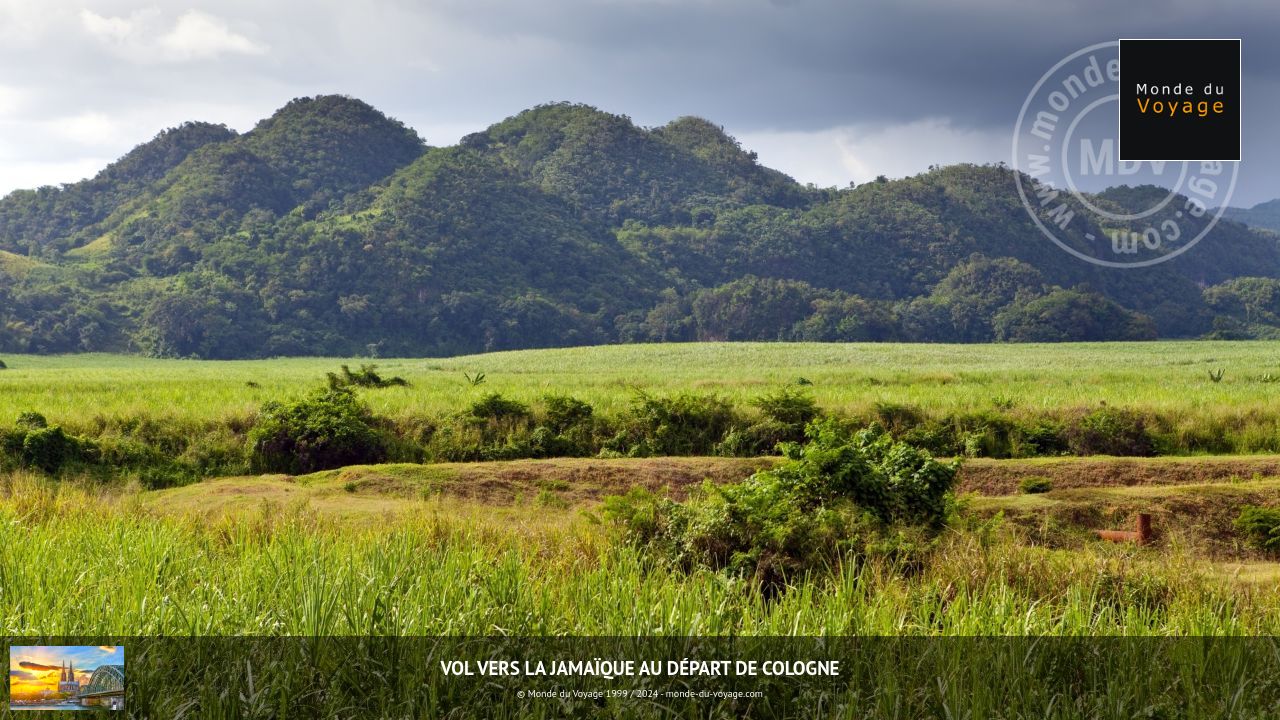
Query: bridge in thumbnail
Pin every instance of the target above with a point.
(105, 688)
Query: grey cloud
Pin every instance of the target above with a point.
(753, 65)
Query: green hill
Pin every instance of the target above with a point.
(1263, 215)
(330, 228)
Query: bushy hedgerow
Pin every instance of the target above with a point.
(1109, 431)
(684, 424)
(784, 416)
(840, 492)
(494, 407)
(498, 428)
(324, 430)
(33, 443)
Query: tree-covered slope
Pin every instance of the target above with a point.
(31, 220)
(1263, 215)
(331, 229)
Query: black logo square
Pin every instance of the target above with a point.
(1179, 100)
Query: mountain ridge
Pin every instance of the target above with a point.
(330, 228)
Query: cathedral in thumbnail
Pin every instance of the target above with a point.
(67, 683)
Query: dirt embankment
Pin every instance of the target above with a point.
(586, 480)
(1001, 477)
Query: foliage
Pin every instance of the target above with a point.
(1070, 316)
(34, 443)
(840, 492)
(31, 420)
(366, 377)
(784, 415)
(1035, 484)
(1261, 527)
(323, 430)
(682, 424)
(329, 229)
(1110, 431)
(49, 448)
(565, 413)
(495, 407)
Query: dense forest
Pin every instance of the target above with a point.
(331, 229)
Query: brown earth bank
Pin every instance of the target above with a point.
(578, 481)
(591, 479)
(1002, 477)
(1193, 501)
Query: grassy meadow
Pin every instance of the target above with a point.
(1169, 377)
(520, 547)
(167, 563)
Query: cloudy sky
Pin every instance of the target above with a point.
(827, 90)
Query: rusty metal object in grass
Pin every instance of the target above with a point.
(1141, 535)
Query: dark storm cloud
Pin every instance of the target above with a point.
(97, 77)
(811, 65)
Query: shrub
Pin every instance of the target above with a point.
(1035, 484)
(760, 438)
(898, 417)
(3, 366)
(788, 406)
(495, 407)
(1109, 431)
(684, 424)
(49, 448)
(1260, 527)
(549, 499)
(366, 376)
(565, 413)
(785, 415)
(1043, 436)
(32, 420)
(327, 429)
(837, 493)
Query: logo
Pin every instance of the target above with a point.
(1083, 197)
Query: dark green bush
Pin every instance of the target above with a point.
(50, 448)
(32, 420)
(785, 414)
(1109, 431)
(684, 424)
(3, 366)
(1261, 527)
(495, 407)
(761, 438)
(1042, 436)
(838, 493)
(366, 377)
(788, 406)
(1035, 484)
(565, 413)
(327, 429)
(898, 417)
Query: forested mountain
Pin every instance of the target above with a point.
(331, 229)
(1263, 215)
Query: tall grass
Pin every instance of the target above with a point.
(281, 571)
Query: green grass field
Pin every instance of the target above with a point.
(519, 548)
(1171, 377)
(330, 562)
